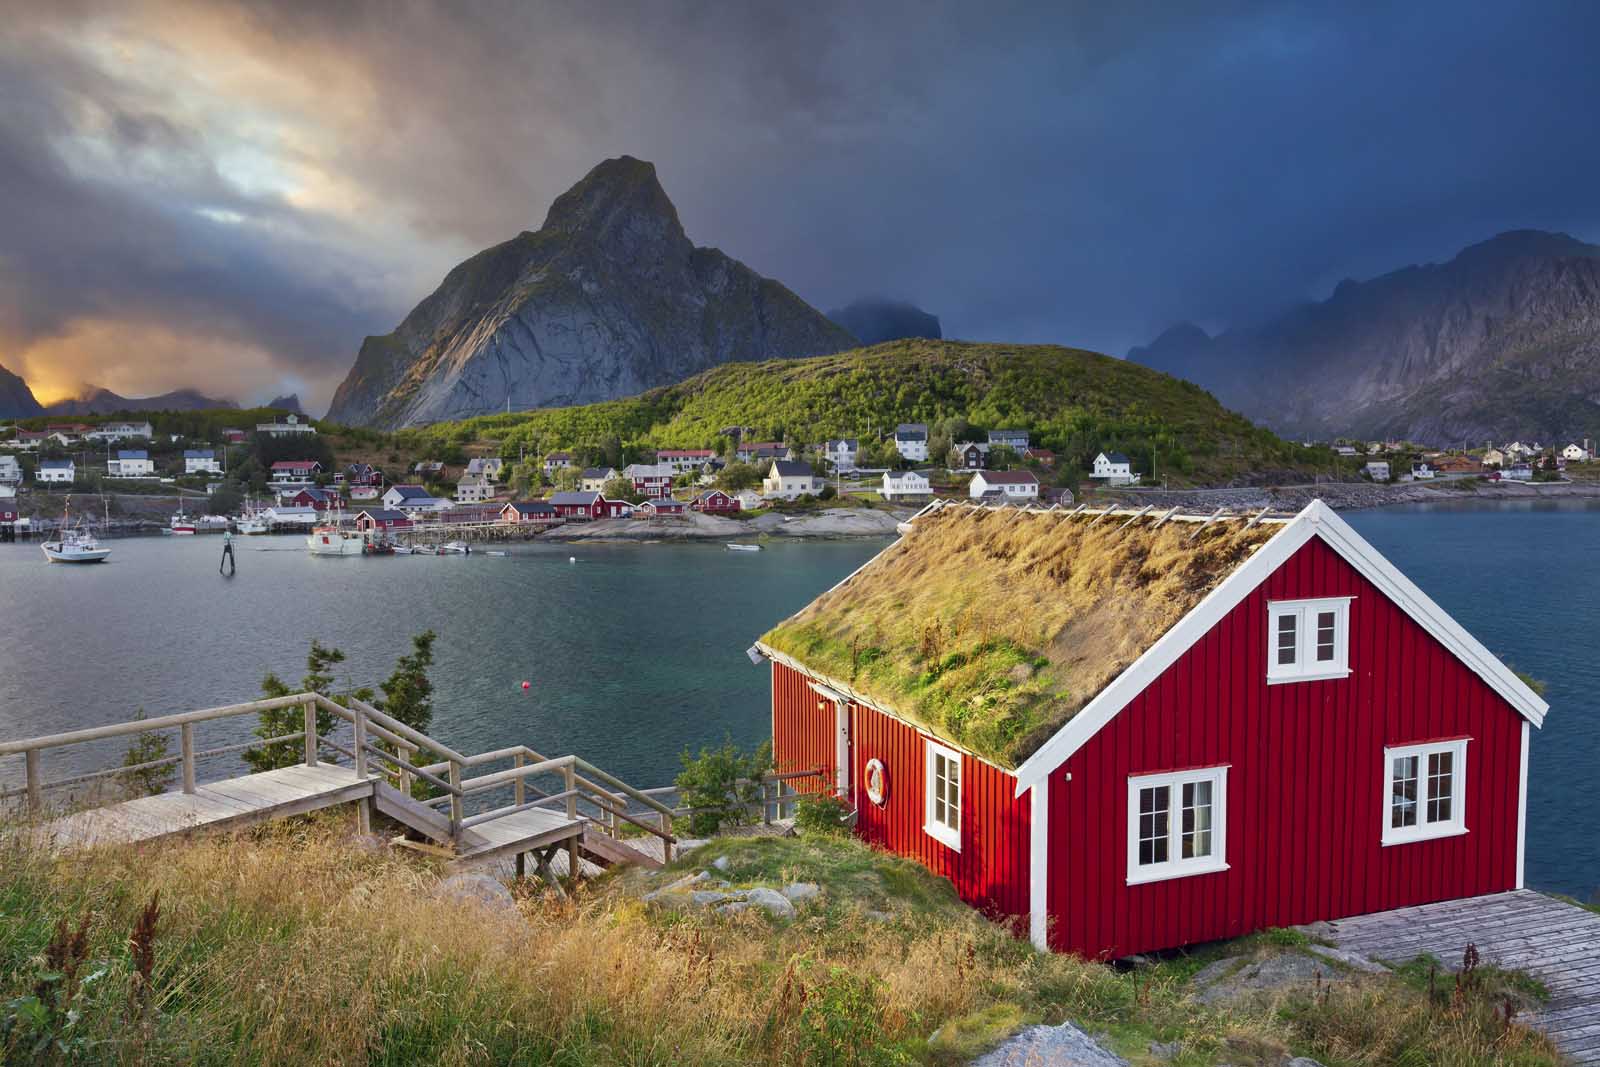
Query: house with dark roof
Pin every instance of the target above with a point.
(659, 507)
(715, 502)
(56, 470)
(1016, 440)
(412, 498)
(383, 519)
(911, 441)
(790, 479)
(842, 452)
(1210, 725)
(520, 512)
(973, 456)
(581, 506)
(1113, 468)
(594, 479)
(201, 461)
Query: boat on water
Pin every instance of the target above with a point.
(332, 540)
(454, 548)
(251, 525)
(74, 544)
(378, 546)
(181, 524)
(743, 548)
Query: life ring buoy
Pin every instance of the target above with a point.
(877, 781)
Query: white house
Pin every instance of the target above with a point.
(749, 500)
(1378, 470)
(1422, 471)
(911, 441)
(201, 461)
(295, 471)
(1004, 485)
(56, 470)
(789, 479)
(594, 479)
(842, 453)
(289, 427)
(1114, 468)
(1576, 453)
(556, 460)
(130, 463)
(410, 498)
(10, 470)
(117, 431)
(685, 459)
(1518, 472)
(1494, 457)
(900, 485)
(474, 489)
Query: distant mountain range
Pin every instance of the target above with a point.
(290, 403)
(1502, 341)
(16, 399)
(18, 402)
(874, 321)
(609, 298)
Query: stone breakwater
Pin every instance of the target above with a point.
(1346, 496)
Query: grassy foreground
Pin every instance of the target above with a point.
(293, 946)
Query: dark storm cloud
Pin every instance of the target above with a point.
(1082, 173)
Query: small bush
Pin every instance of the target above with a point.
(842, 1024)
(821, 813)
(721, 785)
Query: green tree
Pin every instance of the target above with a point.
(319, 678)
(737, 476)
(524, 476)
(621, 488)
(720, 784)
(566, 479)
(148, 747)
(408, 692)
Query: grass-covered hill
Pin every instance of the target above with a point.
(1073, 401)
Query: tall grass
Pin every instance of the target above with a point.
(292, 946)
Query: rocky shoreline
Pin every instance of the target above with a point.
(827, 524)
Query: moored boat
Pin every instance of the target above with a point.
(181, 524)
(74, 543)
(744, 548)
(329, 540)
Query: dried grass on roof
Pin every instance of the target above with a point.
(992, 628)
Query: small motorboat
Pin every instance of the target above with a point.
(743, 548)
(454, 548)
(181, 524)
(378, 546)
(74, 544)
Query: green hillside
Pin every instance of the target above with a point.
(1073, 401)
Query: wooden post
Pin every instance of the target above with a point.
(311, 735)
(455, 799)
(35, 790)
(666, 845)
(571, 776)
(186, 732)
(403, 756)
(518, 761)
(358, 733)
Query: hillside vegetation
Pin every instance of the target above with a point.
(1075, 402)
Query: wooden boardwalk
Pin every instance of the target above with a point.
(225, 805)
(1556, 942)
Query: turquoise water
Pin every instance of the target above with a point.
(636, 651)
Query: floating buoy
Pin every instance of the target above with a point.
(572, 559)
(527, 685)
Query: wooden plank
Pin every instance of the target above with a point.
(609, 850)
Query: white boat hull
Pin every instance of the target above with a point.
(333, 544)
(55, 553)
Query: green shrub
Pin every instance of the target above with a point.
(842, 1024)
(821, 813)
(720, 785)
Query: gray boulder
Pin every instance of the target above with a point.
(1284, 971)
(772, 901)
(680, 886)
(1354, 961)
(800, 892)
(475, 887)
(1064, 1045)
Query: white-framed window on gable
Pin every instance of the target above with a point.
(942, 817)
(1308, 639)
(1425, 789)
(1177, 824)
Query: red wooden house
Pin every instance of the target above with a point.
(715, 502)
(382, 519)
(654, 509)
(538, 512)
(1168, 730)
(312, 497)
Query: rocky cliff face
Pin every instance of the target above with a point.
(16, 399)
(607, 299)
(1502, 341)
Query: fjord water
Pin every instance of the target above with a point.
(635, 652)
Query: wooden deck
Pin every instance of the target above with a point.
(225, 805)
(1556, 942)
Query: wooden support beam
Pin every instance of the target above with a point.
(1170, 513)
(35, 790)
(186, 734)
(311, 734)
(1212, 518)
(1141, 513)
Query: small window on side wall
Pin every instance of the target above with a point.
(1308, 639)
(1177, 824)
(942, 775)
(1425, 794)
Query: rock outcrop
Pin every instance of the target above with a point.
(16, 399)
(874, 321)
(1502, 341)
(609, 298)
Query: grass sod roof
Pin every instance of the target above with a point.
(993, 627)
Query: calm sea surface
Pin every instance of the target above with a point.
(635, 652)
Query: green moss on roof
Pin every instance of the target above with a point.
(993, 627)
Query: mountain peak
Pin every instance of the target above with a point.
(1520, 243)
(620, 200)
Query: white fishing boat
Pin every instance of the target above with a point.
(252, 520)
(454, 548)
(333, 541)
(181, 524)
(743, 548)
(74, 543)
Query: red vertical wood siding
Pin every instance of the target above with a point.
(990, 871)
(1307, 781)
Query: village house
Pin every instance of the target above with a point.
(291, 426)
(1377, 470)
(842, 452)
(1043, 456)
(233, 437)
(790, 479)
(382, 520)
(749, 500)
(363, 474)
(1113, 468)
(1518, 472)
(119, 431)
(594, 479)
(905, 485)
(685, 459)
(658, 508)
(1275, 725)
(488, 467)
(972, 456)
(523, 512)
(130, 463)
(412, 499)
(1016, 440)
(366, 492)
(715, 502)
(1493, 459)
(1015, 486)
(8, 505)
(1344, 450)
(429, 468)
(556, 461)
(588, 506)
(10, 471)
(201, 461)
(1576, 453)
(757, 451)
(56, 470)
(474, 489)
(28, 440)
(911, 441)
(314, 498)
(650, 480)
(295, 470)
(1422, 471)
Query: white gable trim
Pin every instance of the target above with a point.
(1315, 520)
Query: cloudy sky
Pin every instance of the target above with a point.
(231, 196)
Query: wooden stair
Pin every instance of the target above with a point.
(603, 850)
(413, 813)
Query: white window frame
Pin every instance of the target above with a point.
(942, 832)
(1305, 667)
(1426, 831)
(1174, 866)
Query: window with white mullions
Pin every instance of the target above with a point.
(1308, 639)
(943, 807)
(1424, 788)
(1176, 824)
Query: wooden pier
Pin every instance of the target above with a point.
(1555, 941)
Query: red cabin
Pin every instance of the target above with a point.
(312, 497)
(382, 519)
(715, 502)
(1168, 730)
